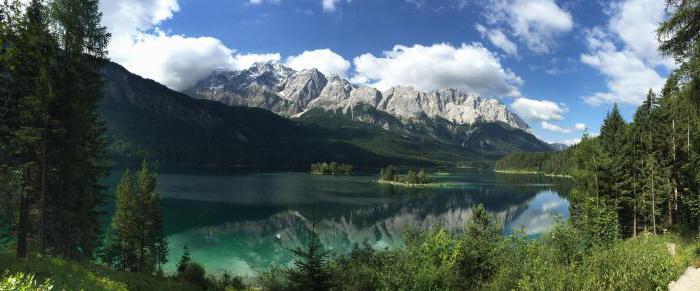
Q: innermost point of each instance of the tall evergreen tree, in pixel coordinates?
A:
(29, 55)
(75, 226)
(136, 242)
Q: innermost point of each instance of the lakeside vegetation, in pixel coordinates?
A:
(332, 168)
(583, 254)
(391, 175)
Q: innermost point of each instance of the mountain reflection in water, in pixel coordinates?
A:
(247, 222)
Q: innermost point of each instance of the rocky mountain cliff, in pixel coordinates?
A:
(282, 90)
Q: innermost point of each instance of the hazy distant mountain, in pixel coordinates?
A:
(282, 90)
(559, 146)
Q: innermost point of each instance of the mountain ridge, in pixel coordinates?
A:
(280, 89)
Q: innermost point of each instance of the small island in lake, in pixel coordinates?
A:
(391, 175)
(331, 168)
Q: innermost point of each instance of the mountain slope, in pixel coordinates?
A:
(148, 120)
(487, 141)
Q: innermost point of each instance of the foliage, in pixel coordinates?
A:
(24, 282)
(555, 163)
(391, 174)
(311, 270)
(479, 257)
(331, 168)
(67, 275)
(51, 134)
(136, 240)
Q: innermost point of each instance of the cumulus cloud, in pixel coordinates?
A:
(571, 142)
(324, 60)
(176, 61)
(555, 128)
(126, 17)
(498, 39)
(538, 110)
(536, 23)
(173, 60)
(625, 52)
(329, 5)
(580, 126)
(469, 67)
(244, 61)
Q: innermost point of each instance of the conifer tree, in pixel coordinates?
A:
(311, 271)
(83, 40)
(137, 242)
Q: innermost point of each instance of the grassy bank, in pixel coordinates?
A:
(66, 275)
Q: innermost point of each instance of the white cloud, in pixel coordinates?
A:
(498, 39)
(635, 24)
(325, 60)
(173, 60)
(176, 61)
(256, 2)
(625, 52)
(537, 23)
(571, 142)
(329, 5)
(580, 126)
(471, 68)
(538, 110)
(244, 61)
(126, 17)
(555, 128)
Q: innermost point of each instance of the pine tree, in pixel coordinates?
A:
(137, 242)
(184, 260)
(311, 271)
(30, 96)
(75, 226)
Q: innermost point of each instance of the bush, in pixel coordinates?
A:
(193, 273)
(273, 279)
(332, 168)
(391, 174)
(24, 282)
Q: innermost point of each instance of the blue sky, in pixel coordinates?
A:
(558, 64)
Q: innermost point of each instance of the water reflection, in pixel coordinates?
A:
(244, 223)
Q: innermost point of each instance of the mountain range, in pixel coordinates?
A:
(271, 115)
(280, 89)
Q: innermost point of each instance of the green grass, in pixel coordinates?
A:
(65, 275)
(641, 263)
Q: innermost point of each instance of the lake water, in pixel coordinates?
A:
(244, 222)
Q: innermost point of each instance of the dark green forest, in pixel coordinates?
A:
(635, 203)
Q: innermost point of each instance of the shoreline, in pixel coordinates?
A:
(532, 173)
(411, 185)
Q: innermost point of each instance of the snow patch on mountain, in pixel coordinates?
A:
(280, 89)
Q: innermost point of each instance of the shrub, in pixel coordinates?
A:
(24, 282)
(333, 168)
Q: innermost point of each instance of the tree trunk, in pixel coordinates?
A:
(634, 219)
(44, 165)
(670, 205)
(653, 201)
(23, 220)
(595, 175)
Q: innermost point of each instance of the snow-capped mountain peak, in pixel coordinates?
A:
(283, 90)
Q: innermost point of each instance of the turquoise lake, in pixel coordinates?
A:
(243, 222)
